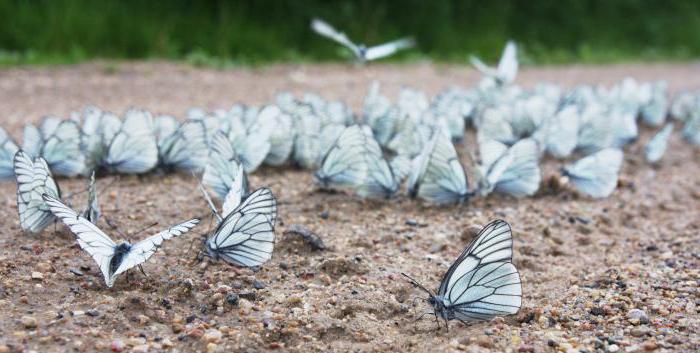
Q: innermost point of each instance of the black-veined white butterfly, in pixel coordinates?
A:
(33, 180)
(112, 258)
(184, 146)
(223, 168)
(437, 175)
(361, 52)
(656, 147)
(59, 143)
(133, 148)
(482, 283)
(246, 235)
(280, 130)
(596, 175)
(516, 172)
(8, 149)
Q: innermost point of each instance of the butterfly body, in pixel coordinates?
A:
(120, 253)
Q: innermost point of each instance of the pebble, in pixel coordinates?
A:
(637, 316)
(212, 335)
(232, 299)
(483, 341)
(92, 312)
(76, 272)
(117, 346)
(526, 348)
(258, 284)
(211, 347)
(37, 275)
(412, 222)
(28, 322)
(248, 295)
(650, 345)
(141, 349)
(324, 215)
(613, 348)
(598, 311)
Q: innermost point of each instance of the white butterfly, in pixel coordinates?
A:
(656, 147)
(184, 147)
(33, 180)
(691, 129)
(307, 142)
(92, 213)
(250, 143)
(97, 129)
(133, 148)
(223, 170)
(246, 235)
(559, 133)
(482, 283)
(59, 143)
(437, 175)
(684, 104)
(280, 129)
(8, 149)
(361, 52)
(596, 175)
(516, 172)
(507, 68)
(112, 258)
(654, 112)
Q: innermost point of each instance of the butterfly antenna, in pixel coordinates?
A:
(423, 315)
(210, 203)
(114, 227)
(415, 283)
(145, 228)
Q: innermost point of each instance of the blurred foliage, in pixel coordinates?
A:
(221, 33)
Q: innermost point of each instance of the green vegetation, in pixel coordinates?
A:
(221, 33)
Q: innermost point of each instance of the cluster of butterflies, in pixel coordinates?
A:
(244, 236)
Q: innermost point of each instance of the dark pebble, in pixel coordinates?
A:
(267, 322)
(652, 247)
(92, 312)
(412, 222)
(597, 311)
(248, 295)
(258, 285)
(76, 272)
(84, 268)
(324, 215)
(584, 220)
(552, 343)
(284, 266)
(232, 299)
(166, 303)
(190, 318)
(157, 338)
(354, 292)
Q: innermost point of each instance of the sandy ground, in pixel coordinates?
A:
(619, 274)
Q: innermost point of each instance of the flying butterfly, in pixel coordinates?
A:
(482, 283)
(507, 68)
(112, 258)
(437, 175)
(361, 52)
(33, 180)
(596, 175)
(245, 236)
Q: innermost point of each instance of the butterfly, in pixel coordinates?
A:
(654, 112)
(92, 212)
(223, 169)
(245, 235)
(507, 68)
(182, 146)
(361, 52)
(280, 129)
(133, 148)
(355, 160)
(691, 129)
(596, 175)
(112, 258)
(97, 128)
(59, 143)
(559, 133)
(33, 180)
(482, 283)
(516, 172)
(8, 149)
(656, 147)
(437, 175)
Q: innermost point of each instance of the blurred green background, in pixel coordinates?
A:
(221, 33)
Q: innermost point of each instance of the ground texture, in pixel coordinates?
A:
(619, 274)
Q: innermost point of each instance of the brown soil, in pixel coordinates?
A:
(585, 264)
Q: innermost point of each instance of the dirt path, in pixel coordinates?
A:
(586, 266)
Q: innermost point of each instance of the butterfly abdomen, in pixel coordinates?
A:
(119, 253)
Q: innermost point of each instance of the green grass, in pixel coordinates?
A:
(256, 32)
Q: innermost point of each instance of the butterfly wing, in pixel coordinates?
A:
(521, 175)
(263, 202)
(235, 194)
(8, 149)
(343, 164)
(508, 65)
(185, 148)
(90, 238)
(482, 282)
(656, 147)
(62, 148)
(144, 249)
(386, 49)
(32, 140)
(596, 175)
(134, 149)
(222, 167)
(326, 30)
(243, 239)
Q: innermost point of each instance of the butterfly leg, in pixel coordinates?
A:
(142, 271)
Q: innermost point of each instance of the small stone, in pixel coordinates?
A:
(212, 335)
(141, 349)
(284, 266)
(639, 331)
(4, 349)
(76, 272)
(135, 341)
(190, 318)
(232, 299)
(117, 346)
(211, 347)
(28, 322)
(37, 275)
(613, 348)
(598, 311)
(258, 284)
(526, 348)
(93, 313)
(412, 222)
(484, 341)
(167, 343)
(324, 215)
(637, 316)
(196, 333)
(248, 295)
